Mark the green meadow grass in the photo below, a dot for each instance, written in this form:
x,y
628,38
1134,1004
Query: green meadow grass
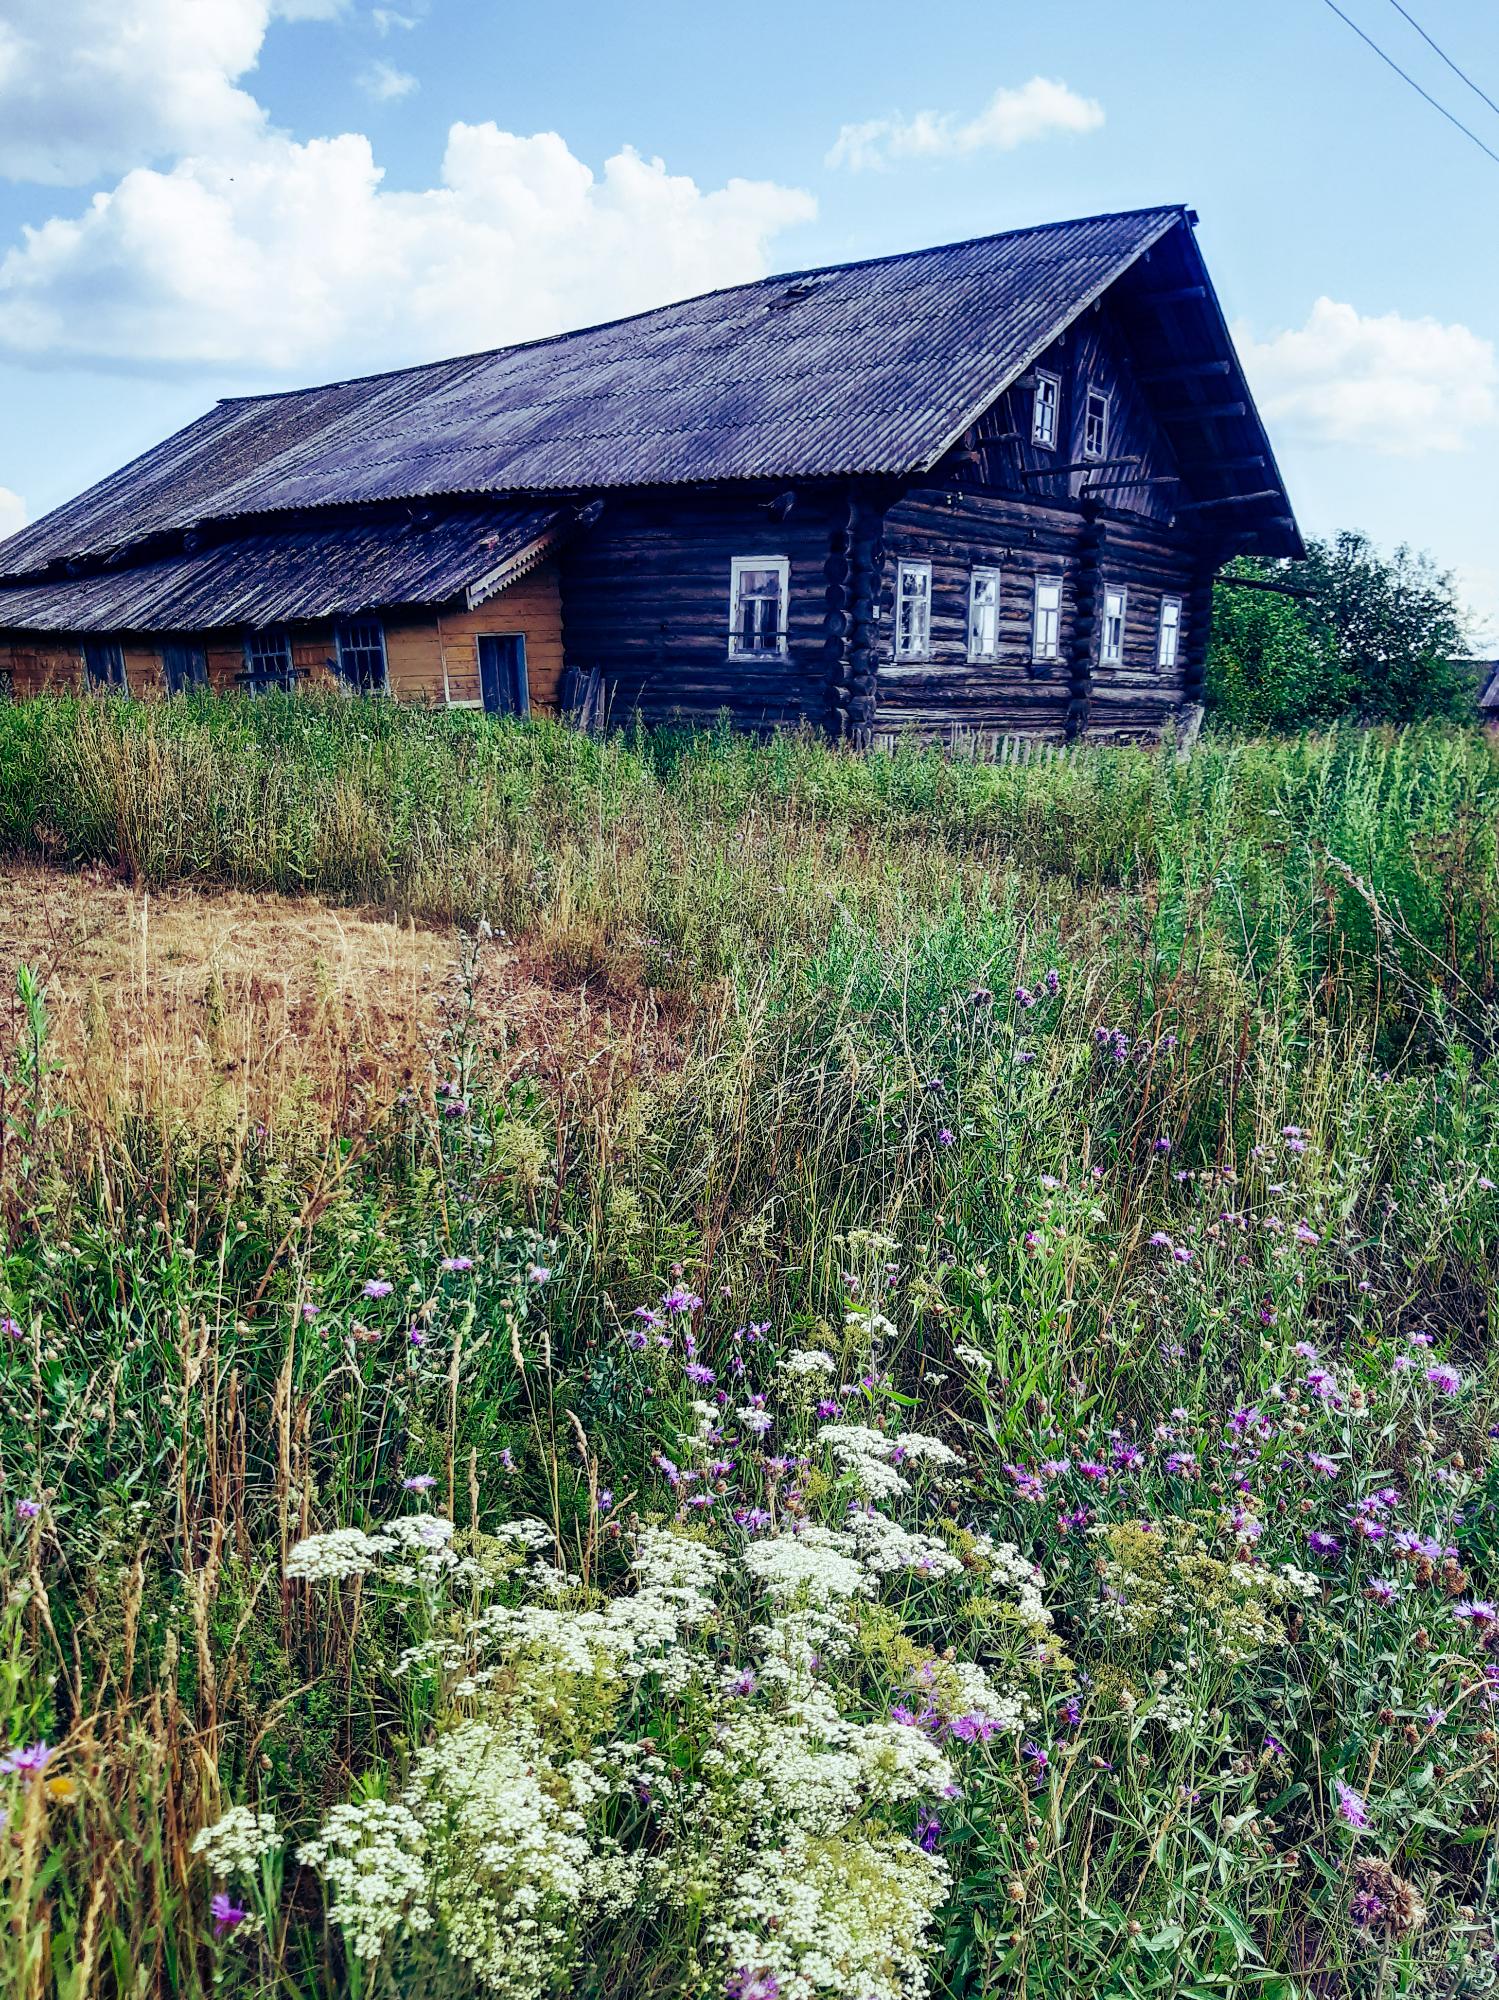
x,y
980,1049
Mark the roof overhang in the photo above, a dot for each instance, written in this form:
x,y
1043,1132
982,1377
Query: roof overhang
x,y
315,571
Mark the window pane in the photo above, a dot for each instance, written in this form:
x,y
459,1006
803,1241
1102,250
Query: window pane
x,y
913,610
1113,626
1048,618
1044,411
758,618
983,615
1170,632
1096,425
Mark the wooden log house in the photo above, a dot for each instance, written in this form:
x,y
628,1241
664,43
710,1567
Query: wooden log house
x,y
983,488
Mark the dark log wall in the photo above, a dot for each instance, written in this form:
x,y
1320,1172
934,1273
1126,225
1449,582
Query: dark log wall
x,y
982,509
645,600
957,529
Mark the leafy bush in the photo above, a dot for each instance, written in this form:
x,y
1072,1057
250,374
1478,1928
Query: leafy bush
x,y
1356,633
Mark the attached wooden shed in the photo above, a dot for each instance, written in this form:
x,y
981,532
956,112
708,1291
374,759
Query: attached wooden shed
x,y
982,487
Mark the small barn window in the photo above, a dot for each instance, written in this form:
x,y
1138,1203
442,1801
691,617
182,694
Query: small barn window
x,y
983,615
1046,401
758,589
104,665
1096,424
1046,639
913,611
1168,636
183,667
1111,648
361,654
268,659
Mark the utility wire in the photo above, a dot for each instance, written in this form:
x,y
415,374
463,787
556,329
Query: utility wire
x,y
1456,71
1450,116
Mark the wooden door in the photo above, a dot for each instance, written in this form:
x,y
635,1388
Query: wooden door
x,y
502,673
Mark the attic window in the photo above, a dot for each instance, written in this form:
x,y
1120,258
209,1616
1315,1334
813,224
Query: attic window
x,y
758,588
1096,425
1046,402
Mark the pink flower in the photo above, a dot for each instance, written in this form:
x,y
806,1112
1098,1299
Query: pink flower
x,y
378,1288
457,1264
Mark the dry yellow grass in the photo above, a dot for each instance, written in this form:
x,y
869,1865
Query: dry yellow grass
x,y
221,1009
218,1007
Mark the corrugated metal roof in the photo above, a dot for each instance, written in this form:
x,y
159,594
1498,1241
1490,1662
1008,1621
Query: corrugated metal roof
x,y
327,571
872,367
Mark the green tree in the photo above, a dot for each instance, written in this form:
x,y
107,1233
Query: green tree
x,y
1379,637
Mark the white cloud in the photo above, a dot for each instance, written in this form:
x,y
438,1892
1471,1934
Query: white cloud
x,y
12,512
227,242
1399,386
89,87
385,83
1039,109
293,255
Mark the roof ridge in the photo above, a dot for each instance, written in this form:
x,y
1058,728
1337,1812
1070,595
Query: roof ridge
x,y
692,298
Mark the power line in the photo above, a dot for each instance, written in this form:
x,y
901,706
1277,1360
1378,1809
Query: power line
x,y
1450,116
1431,43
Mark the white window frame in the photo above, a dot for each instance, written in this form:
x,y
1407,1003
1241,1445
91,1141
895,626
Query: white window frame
x,y
983,573
1168,633
909,566
1113,656
1038,650
1055,384
1090,395
739,566
340,631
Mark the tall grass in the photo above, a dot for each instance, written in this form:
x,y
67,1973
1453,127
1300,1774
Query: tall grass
x,y
821,1066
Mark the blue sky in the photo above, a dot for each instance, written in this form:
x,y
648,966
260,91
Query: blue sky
x,y
205,197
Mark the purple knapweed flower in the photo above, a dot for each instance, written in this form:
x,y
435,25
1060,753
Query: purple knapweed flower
x,y
378,1288
456,1264
26,1762
28,1509
1351,1805
227,1916
419,1482
1321,1543
1445,1378
752,1983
